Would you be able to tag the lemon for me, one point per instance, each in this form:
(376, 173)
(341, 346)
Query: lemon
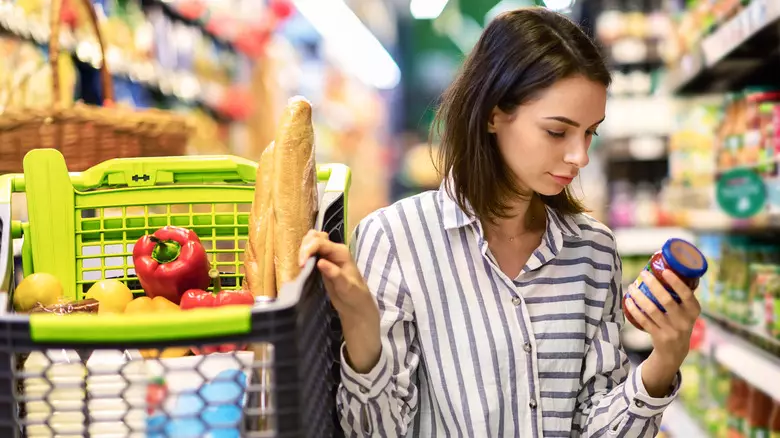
(113, 296)
(41, 288)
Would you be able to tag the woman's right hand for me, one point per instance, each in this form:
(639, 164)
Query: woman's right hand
(350, 296)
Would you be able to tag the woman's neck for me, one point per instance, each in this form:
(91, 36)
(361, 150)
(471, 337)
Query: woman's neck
(527, 216)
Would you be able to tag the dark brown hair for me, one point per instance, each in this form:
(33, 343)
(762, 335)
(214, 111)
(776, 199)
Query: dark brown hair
(519, 54)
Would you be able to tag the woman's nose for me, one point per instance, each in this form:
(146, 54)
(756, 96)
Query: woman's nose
(577, 154)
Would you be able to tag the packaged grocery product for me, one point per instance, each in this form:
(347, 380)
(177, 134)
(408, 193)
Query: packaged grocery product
(765, 278)
(679, 256)
(774, 421)
(759, 107)
(89, 305)
(759, 413)
(737, 407)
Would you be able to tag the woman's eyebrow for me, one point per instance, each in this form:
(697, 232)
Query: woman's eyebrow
(571, 122)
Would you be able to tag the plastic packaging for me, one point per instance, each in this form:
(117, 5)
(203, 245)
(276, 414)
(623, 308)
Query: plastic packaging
(679, 256)
(90, 305)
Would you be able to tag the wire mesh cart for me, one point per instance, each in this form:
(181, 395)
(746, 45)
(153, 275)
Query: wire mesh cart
(132, 375)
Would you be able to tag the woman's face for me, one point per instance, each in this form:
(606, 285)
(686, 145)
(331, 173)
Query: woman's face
(545, 142)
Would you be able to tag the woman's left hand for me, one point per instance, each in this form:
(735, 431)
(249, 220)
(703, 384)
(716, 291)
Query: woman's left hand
(670, 331)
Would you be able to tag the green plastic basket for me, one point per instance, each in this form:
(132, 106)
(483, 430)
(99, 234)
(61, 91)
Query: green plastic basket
(82, 227)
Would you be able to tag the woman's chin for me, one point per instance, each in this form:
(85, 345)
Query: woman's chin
(550, 190)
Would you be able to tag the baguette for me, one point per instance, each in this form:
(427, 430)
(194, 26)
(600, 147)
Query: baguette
(294, 187)
(259, 277)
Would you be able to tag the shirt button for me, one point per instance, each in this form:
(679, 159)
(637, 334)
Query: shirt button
(640, 404)
(517, 301)
(532, 404)
(527, 347)
(364, 390)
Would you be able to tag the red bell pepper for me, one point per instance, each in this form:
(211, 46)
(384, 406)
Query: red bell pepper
(170, 262)
(156, 392)
(195, 298)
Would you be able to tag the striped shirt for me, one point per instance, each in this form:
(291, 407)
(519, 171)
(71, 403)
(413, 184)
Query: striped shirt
(469, 352)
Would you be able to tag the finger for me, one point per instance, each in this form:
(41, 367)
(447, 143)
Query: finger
(646, 323)
(335, 252)
(687, 298)
(329, 270)
(650, 309)
(674, 311)
(332, 275)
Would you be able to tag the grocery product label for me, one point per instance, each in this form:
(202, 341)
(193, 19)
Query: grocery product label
(641, 286)
(736, 427)
(759, 432)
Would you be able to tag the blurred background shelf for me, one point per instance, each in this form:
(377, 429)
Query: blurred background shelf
(679, 424)
(646, 241)
(742, 51)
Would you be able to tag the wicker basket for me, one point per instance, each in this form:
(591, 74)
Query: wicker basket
(87, 135)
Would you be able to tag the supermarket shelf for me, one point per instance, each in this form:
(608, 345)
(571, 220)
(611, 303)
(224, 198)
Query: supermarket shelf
(636, 340)
(171, 10)
(646, 241)
(182, 85)
(717, 221)
(730, 344)
(679, 423)
(738, 53)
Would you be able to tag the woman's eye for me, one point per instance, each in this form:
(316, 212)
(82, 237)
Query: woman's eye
(593, 133)
(555, 134)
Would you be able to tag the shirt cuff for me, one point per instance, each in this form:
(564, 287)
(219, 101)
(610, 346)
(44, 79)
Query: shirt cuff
(641, 404)
(369, 386)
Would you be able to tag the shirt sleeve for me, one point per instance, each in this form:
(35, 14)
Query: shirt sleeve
(384, 400)
(613, 400)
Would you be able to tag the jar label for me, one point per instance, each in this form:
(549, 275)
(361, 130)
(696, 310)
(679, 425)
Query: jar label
(642, 287)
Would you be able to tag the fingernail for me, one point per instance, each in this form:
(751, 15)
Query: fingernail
(645, 275)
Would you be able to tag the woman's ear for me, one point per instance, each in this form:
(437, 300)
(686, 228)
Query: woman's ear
(495, 116)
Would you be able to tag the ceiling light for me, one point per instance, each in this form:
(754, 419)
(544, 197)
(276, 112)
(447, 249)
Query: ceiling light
(354, 47)
(427, 9)
(559, 5)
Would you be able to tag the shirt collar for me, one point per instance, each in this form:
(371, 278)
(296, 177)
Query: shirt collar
(454, 217)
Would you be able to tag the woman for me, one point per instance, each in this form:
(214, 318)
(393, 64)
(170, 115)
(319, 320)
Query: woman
(491, 307)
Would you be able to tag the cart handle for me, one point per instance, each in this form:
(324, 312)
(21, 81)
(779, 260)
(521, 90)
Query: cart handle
(138, 172)
(196, 324)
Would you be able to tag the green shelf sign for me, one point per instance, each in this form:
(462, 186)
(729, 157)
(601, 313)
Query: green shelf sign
(741, 193)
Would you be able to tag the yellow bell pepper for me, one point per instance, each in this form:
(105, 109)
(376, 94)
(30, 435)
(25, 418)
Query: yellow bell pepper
(146, 305)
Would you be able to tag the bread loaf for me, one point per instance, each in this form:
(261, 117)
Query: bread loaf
(259, 277)
(295, 189)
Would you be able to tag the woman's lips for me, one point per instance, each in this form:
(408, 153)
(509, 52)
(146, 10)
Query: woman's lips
(562, 180)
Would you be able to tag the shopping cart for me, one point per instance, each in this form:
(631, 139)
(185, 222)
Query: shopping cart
(112, 375)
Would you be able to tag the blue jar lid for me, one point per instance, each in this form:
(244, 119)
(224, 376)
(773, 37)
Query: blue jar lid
(684, 258)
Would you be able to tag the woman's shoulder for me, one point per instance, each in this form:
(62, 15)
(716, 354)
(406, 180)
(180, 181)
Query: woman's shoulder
(407, 213)
(404, 218)
(592, 230)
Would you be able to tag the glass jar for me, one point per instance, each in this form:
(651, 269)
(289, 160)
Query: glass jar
(678, 256)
